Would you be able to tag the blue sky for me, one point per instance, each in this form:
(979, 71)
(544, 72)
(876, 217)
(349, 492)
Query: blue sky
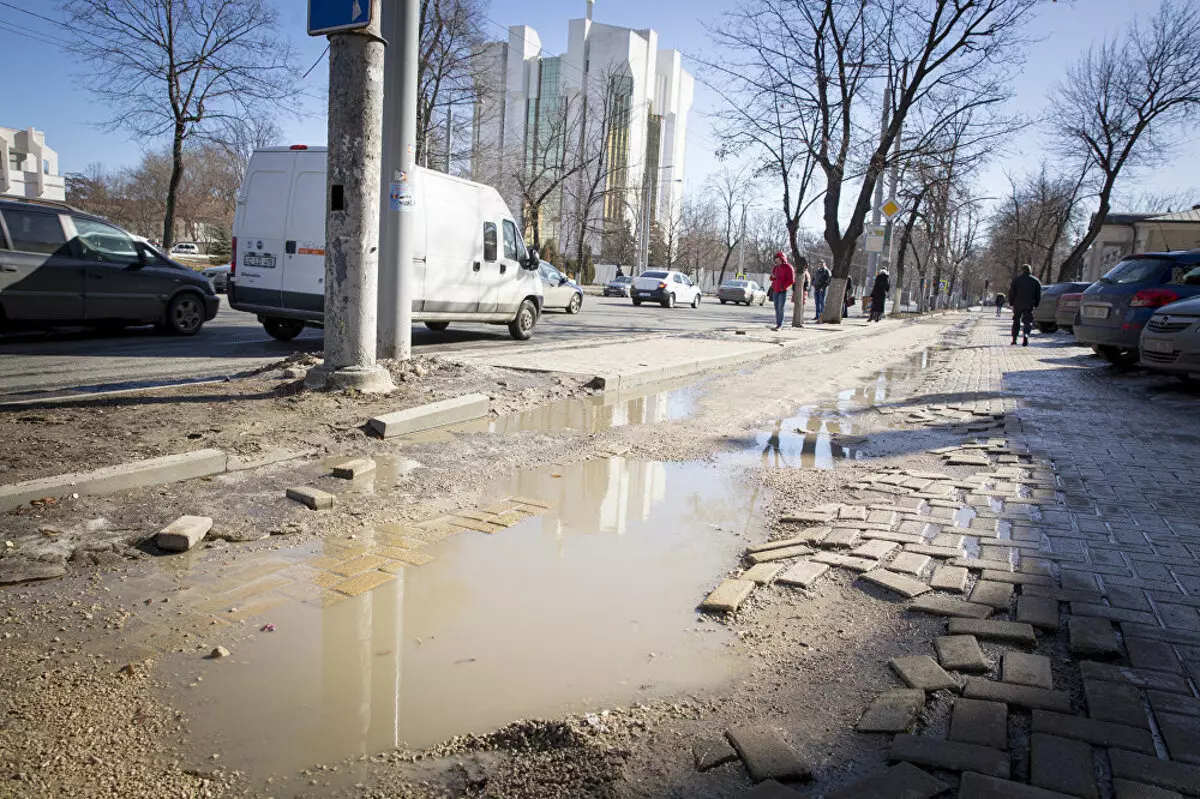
(48, 96)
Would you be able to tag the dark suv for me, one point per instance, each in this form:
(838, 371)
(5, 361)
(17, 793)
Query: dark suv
(1117, 306)
(59, 266)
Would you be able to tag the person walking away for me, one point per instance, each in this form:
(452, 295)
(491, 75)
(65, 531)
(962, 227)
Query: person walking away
(820, 284)
(1024, 295)
(879, 292)
(1000, 298)
(782, 278)
(848, 298)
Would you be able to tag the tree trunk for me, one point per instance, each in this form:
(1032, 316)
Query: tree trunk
(1072, 266)
(898, 286)
(793, 229)
(835, 297)
(168, 237)
(536, 213)
(724, 264)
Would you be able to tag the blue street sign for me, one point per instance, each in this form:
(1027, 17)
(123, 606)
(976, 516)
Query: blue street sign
(330, 16)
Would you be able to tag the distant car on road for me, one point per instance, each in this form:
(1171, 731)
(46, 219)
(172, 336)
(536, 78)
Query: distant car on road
(745, 292)
(1044, 315)
(1171, 340)
(185, 248)
(1117, 306)
(559, 290)
(219, 275)
(618, 286)
(669, 288)
(59, 266)
(1065, 311)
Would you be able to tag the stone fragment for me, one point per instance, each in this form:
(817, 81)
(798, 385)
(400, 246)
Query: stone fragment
(1025, 669)
(314, 498)
(762, 573)
(981, 786)
(992, 630)
(944, 606)
(766, 754)
(803, 574)
(892, 711)
(908, 563)
(712, 752)
(1063, 765)
(992, 594)
(1020, 695)
(1127, 789)
(1093, 731)
(949, 755)
(218, 653)
(1041, 612)
(960, 653)
(183, 533)
(1163, 773)
(901, 781)
(1092, 637)
(922, 672)
(876, 549)
(949, 578)
(904, 586)
(975, 721)
(21, 570)
(351, 469)
(728, 596)
(783, 553)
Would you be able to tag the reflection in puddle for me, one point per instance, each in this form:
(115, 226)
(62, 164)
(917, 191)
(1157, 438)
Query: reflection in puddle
(595, 414)
(587, 605)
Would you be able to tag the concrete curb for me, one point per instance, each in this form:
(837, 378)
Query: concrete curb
(435, 414)
(154, 471)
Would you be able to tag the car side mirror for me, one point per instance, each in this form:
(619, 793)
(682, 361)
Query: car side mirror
(533, 259)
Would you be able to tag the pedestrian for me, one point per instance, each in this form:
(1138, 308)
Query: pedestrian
(783, 276)
(1024, 295)
(620, 272)
(879, 292)
(820, 284)
(1000, 298)
(848, 297)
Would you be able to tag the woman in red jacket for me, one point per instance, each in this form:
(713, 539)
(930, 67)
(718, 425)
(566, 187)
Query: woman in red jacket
(782, 278)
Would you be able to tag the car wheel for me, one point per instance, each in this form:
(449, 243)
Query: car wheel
(723, 302)
(521, 328)
(1047, 327)
(185, 314)
(669, 302)
(437, 327)
(1120, 358)
(282, 329)
(696, 301)
(575, 304)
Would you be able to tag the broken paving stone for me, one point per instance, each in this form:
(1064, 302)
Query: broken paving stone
(712, 752)
(908, 563)
(960, 653)
(183, 533)
(1092, 637)
(766, 754)
(923, 673)
(901, 781)
(950, 755)
(876, 549)
(762, 573)
(1040, 611)
(1020, 695)
(976, 721)
(803, 574)
(351, 469)
(949, 578)
(313, 498)
(1060, 764)
(996, 595)
(904, 586)
(989, 629)
(892, 711)
(1025, 669)
(981, 786)
(783, 553)
(728, 596)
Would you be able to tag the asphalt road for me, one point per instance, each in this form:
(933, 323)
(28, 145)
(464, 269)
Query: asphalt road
(69, 360)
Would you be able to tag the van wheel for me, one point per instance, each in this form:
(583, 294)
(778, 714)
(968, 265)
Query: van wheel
(669, 302)
(437, 327)
(185, 314)
(575, 304)
(521, 328)
(282, 329)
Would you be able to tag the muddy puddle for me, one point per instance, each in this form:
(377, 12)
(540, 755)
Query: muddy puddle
(586, 605)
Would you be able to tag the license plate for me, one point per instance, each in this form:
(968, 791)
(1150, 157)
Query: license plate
(1095, 311)
(260, 261)
(645, 293)
(1162, 345)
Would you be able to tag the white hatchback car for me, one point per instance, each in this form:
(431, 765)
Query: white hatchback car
(666, 288)
(185, 248)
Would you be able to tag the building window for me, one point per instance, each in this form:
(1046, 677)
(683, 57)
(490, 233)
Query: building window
(16, 161)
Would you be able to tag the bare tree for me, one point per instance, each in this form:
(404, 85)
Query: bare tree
(452, 33)
(182, 67)
(1124, 101)
(732, 194)
(551, 157)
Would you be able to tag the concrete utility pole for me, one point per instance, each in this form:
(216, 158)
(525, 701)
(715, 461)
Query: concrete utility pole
(401, 22)
(352, 223)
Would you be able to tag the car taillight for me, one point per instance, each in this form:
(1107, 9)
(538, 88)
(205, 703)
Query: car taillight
(662, 285)
(1153, 298)
(233, 256)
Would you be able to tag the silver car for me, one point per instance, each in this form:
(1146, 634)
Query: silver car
(1171, 340)
(745, 292)
(219, 275)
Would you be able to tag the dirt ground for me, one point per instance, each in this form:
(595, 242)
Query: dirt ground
(73, 724)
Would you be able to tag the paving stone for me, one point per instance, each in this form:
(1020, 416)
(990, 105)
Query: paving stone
(904, 586)
(1041, 612)
(975, 721)
(766, 754)
(892, 711)
(908, 563)
(981, 786)
(801, 540)
(1117, 702)
(1025, 669)
(1091, 637)
(762, 573)
(803, 574)
(948, 540)
(1127, 789)
(1060, 594)
(1157, 655)
(895, 538)
(845, 561)
(1113, 614)
(1163, 773)
(728, 596)
(313, 498)
(1134, 630)
(1016, 578)
(1140, 678)
(945, 606)
(963, 459)
(1093, 731)
(933, 551)
(949, 578)
(989, 629)
(853, 512)
(1020, 695)
(950, 755)
(183, 533)
(783, 553)
(901, 781)
(876, 549)
(841, 538)
(1064, 765)
(960, 653)
(808, 517)
(1163, 702)
(770, 790)
(1182, 735)
(888, 517)
(351, 469)
(1123, 597)
(996, 595)
(923, 672)
(712, 752)
(978, 564)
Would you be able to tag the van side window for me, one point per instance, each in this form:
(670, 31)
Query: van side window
(489, 241)
(35, 232)
(510, 240)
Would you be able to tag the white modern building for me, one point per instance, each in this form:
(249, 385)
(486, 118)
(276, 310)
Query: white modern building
(613, 89)
(28, 168)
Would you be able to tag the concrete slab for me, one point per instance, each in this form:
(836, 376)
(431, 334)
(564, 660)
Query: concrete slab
(770, 789)
(1144, 768)
(1041, 612)
(183, 533)
(435, 414)
(728, 596)
(1127, 789)
(1120, 703)
(1182, 735)
(909, 563)
(1092, 637)
(353, 468)
(992, 630)
(892, 711)
(992, 594)
(981, 786)
(923, 673)
(960, 653)
(766, 754)
(875, 549)
(780, 553)
(1019, 695)
(845, 561)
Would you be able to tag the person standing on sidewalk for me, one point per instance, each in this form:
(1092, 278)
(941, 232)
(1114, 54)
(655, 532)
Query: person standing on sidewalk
(848, 297)
(820, 283)
(783, 276)
(879, 292)
(1000, 298)
(1024, 295)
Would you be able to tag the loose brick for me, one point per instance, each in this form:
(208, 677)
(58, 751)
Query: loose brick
(923, 672)
(1041, 612)
(949, 578)
(728, 596)
(978, 564)
(314, 498)
(950, 755)
(908, 563)
(960, 653)
(183, 533)
(762, 573)
(904, 586)
(989, 629)
(1163, 773)
(841, 538)
(1093, 731)
(933, 551)
(892, 711)
(808, 517)
(1091, 637)
(1064, 765)
(766, 754)
(954, 608)
(351, 469)
(992, 594)
(981, 786)
(800, 540)
(803, 574)
(1020, 695)
(974, 721)
(903, 781)
(1025, 669)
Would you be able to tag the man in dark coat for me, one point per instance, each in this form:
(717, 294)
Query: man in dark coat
(1024, 295)
(879, 292)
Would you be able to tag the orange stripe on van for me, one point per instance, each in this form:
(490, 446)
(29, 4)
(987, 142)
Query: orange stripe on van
(310, 251)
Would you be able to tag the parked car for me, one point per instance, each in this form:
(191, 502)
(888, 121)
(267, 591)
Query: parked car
(59, 266)
(1044, 316)
(219, 275)
(1117, 306)
(618, 286)
(746, 292)
(559, 291)
(1065, 311)
(1171, 340)
(469, 262)
(185, 248)
(666, 287)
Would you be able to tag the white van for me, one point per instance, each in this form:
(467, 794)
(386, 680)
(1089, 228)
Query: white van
(469, 263)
